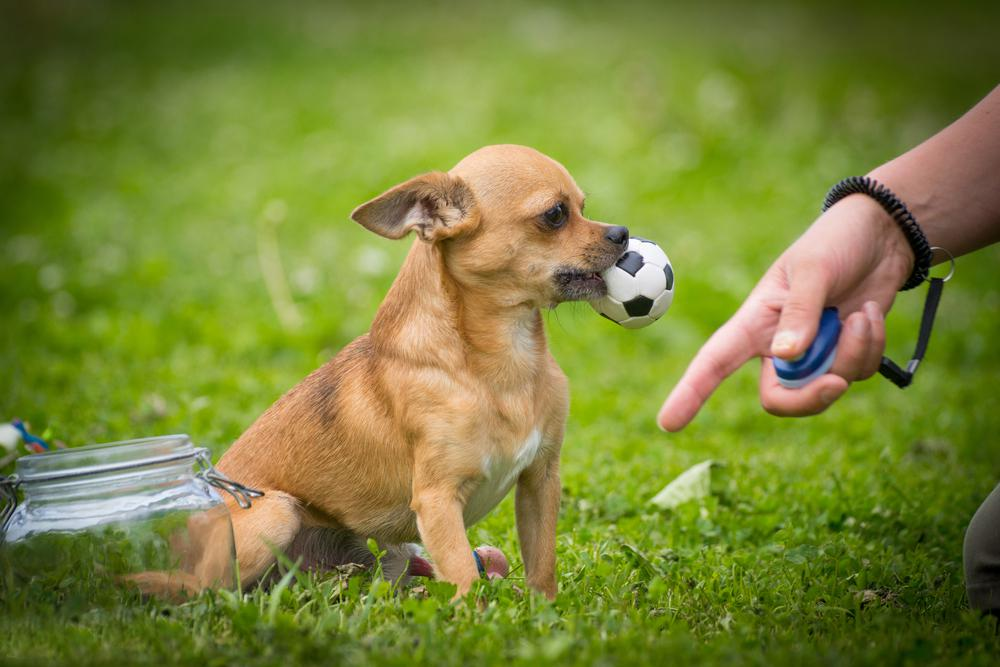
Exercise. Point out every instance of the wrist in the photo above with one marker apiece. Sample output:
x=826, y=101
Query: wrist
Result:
x=893, y=248
x=921, y=253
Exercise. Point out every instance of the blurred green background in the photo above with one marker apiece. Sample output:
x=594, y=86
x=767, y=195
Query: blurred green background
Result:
x=152, y=155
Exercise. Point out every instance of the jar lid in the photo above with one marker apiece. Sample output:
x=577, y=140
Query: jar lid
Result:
x=104, y=458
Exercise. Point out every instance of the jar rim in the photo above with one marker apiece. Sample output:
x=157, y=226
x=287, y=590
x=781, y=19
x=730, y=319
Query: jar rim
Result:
x=104, y=457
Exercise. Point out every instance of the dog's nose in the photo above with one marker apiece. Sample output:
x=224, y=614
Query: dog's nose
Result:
x=617, y=235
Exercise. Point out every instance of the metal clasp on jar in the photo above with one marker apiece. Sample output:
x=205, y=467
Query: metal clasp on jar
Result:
x=8, y=499
x=208, y=473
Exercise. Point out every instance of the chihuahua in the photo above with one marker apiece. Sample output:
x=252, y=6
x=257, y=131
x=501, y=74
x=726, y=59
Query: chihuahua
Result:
x=419, y=428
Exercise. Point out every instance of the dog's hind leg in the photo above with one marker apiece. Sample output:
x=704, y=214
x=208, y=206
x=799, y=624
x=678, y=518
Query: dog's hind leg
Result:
x=269, y=526
x=201, y=554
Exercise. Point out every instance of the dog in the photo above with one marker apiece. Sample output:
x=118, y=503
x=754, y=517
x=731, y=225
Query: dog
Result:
x=419, y=428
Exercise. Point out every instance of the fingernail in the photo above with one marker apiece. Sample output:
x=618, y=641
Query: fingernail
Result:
x=873, y=312
x=784, y=342
x=859, y=325
x=661, y=420
x=828, y=396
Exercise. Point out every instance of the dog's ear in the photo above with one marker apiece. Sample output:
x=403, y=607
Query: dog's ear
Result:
x=436, y=205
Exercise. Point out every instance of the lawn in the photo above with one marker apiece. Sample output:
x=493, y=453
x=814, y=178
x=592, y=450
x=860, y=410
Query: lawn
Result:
x=151, y=154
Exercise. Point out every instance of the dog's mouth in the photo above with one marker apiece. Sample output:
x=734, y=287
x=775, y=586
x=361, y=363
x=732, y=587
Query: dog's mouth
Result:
x=573, y=284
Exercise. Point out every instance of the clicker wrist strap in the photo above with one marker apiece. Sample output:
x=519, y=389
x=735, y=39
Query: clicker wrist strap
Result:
x=903, y=377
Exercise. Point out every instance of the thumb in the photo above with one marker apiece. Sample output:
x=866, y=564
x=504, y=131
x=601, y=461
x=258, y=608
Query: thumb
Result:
x=807, y=291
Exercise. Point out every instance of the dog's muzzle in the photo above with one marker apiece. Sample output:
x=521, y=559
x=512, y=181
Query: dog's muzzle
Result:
x=579, y=285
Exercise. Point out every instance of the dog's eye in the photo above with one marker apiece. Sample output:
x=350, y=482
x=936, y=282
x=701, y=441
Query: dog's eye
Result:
x=556, y=216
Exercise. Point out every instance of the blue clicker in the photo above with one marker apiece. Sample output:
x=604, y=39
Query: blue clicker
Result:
x=817, y=360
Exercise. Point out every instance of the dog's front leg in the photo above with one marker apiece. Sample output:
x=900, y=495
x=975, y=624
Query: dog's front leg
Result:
x=442, y=530
x=537, y=509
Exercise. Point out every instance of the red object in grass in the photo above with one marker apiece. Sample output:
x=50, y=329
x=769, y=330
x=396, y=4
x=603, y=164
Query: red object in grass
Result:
x=494, y=562
x=420, y=567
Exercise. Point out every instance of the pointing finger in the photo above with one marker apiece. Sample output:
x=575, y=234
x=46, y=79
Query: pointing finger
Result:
x=727, y=349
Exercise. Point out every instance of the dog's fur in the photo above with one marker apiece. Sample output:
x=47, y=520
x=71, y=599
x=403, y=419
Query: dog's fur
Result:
x=420, y=427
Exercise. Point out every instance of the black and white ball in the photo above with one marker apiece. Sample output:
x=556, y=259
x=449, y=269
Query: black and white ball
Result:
x=640, y=286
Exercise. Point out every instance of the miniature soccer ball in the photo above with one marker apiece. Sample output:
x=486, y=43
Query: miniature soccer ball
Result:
x=640, y=286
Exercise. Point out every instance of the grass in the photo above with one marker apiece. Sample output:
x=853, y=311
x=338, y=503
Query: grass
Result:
x=147, y=150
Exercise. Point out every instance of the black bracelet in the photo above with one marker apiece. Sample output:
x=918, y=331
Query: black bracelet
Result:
x=922, y=253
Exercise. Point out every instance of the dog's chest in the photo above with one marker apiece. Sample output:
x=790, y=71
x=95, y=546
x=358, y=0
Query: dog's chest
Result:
x=499, y=475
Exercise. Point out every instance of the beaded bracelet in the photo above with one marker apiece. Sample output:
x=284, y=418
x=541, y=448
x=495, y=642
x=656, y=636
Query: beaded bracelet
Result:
x=922, y=253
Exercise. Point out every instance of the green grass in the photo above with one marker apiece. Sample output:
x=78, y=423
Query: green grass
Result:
x=145, y=148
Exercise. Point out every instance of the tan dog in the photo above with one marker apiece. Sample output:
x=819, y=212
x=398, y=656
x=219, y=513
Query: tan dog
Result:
x=419, y=428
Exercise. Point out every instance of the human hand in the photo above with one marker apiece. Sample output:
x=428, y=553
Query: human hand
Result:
x=854, y=257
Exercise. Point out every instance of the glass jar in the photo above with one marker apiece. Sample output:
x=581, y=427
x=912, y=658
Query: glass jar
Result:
x=140, y=514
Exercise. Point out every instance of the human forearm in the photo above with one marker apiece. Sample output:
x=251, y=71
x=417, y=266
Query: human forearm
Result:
x=951, y=182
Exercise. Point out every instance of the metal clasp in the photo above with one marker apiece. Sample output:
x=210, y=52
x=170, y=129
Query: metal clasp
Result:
x=8, y=499
x=208, y=473
x=951, y=258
